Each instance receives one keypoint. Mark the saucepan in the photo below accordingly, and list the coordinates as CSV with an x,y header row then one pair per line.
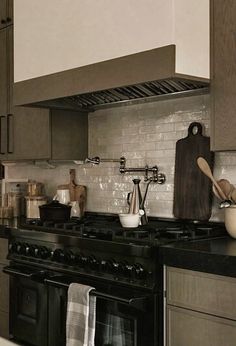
x,y
54,211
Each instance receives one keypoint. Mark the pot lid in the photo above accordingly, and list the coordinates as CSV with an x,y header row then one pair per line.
x,y
55,205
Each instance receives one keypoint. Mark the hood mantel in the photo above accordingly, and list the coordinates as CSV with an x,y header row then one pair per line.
x,y
143,76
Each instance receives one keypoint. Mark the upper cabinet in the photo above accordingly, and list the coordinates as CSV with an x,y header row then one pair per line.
x,y
223,74
6,13
54,36
33,133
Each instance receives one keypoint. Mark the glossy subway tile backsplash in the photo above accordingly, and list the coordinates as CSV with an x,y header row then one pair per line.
x,y
144,134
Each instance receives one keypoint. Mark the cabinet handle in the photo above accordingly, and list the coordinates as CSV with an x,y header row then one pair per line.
x,y
3,21
8,19
3,134
10,134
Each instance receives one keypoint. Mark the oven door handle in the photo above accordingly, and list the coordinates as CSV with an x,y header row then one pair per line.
x,y
36,276
139,303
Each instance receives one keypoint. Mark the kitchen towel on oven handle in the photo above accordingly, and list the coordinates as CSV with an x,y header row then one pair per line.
x,y
81,316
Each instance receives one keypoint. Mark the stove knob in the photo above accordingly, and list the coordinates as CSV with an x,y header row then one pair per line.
x,y
122,268
22,248
58,255
140,273
12,248
43,252
69,258
81,260
32,251
110,265
103,266
93,262
129,270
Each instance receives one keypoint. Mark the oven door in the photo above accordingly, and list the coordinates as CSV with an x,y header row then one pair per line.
x,y
124,317
28,305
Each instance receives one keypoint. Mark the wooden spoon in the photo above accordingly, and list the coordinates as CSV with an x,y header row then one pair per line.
x,y
233,195
225,186
205,168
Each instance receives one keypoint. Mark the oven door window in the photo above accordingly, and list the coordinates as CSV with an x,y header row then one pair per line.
x,y
118,325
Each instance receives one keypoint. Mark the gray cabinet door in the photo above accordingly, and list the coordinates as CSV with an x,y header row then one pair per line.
x,y
3,92
223,74
29,134
3,13
69,135
6,13
189,328
3,72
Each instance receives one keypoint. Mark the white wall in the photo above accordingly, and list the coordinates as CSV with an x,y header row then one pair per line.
x,y
144,134
56,35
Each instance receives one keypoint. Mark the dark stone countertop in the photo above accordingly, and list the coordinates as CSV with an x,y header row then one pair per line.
x,y
216,256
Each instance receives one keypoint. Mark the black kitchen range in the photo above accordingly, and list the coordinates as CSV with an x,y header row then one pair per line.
x,y
121,264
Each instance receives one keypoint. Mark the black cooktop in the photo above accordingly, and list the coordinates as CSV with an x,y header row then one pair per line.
x,y
107,227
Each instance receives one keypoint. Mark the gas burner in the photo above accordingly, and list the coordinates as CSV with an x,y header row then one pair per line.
x,y
107,227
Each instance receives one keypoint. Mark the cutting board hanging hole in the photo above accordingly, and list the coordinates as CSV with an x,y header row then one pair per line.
x,y
195,129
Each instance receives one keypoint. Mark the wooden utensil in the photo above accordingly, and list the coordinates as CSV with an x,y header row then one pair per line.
x,y
81,196
225,186
192,189
233,195
205,168
77,192
71,186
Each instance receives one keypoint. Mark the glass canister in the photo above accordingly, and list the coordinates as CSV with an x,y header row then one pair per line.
x,y
32,206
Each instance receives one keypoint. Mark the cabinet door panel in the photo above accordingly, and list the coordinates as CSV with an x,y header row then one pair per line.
x,y
213,294
223,74
189,328
69,135
3,72
4,324
9,12
3,13
31,134
4,291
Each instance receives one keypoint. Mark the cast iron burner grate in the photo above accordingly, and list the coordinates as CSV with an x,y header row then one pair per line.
x,y
108,228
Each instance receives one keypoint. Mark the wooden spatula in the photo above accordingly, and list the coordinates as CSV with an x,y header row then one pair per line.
x,y
205,168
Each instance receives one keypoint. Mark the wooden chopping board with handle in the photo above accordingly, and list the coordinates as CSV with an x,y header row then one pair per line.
x,y
192,189
77,192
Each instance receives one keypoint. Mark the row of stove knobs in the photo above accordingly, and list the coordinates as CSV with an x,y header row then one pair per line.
x,y
132,271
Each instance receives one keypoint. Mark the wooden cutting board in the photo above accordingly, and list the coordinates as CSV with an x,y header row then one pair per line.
x,y
77,192
192,189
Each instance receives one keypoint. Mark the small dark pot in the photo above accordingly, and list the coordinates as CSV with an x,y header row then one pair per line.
x,y
54,211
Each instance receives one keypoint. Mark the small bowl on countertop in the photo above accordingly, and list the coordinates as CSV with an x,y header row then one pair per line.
x,y
230,220
129,220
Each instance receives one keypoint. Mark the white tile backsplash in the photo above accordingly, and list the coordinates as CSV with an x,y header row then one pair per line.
x,y
144,134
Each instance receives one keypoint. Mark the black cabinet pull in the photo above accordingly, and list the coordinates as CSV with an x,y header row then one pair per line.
x,y
3,135
8,19
3,21
10,134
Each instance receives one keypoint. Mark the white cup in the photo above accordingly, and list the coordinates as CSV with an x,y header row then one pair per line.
x,y
75,209
129,220
63,196
230,220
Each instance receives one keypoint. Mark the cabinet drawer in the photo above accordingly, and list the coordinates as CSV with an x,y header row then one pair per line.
x,y
190,328
3,250
4,324
208,293
4,291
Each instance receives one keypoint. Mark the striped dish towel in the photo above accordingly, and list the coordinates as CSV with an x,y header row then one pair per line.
x,y
81,316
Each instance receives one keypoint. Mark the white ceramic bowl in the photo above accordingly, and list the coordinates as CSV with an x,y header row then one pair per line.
x,y
230,220
129,220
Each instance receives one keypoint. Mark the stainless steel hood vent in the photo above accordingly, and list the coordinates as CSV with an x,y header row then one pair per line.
x,y
141,77
149,91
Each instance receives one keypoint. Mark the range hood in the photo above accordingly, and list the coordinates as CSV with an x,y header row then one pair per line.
x,y
141,77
